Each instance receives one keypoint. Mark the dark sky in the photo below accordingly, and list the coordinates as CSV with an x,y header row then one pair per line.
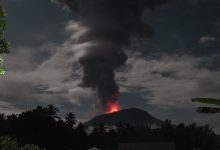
x,y
162,74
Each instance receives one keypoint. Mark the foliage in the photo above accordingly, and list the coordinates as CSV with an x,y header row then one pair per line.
x,y
70,120
7,143
4,45
1,69
212,101
42,126
207,100
31,147
210,110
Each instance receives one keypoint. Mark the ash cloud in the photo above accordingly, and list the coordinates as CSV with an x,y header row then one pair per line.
x,y
105,27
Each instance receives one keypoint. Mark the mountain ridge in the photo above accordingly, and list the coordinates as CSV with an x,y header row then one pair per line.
x,y
131,116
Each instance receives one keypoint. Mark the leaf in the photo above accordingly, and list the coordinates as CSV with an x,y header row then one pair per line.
x,y
4,45
207,100
212,110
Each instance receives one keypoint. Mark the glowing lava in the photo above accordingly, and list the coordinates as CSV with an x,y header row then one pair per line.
x,y
112,106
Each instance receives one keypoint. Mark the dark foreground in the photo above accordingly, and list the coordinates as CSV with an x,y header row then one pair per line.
x,y
44,128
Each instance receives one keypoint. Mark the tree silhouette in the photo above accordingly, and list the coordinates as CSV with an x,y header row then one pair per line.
x,y
70,120
7,143
42,127
52,111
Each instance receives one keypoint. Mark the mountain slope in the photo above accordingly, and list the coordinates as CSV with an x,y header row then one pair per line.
x,y
132,116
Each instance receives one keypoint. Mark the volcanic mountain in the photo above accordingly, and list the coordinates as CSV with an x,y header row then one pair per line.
x,y
131,116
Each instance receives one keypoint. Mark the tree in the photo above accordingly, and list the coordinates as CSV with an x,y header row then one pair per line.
x,y
4,45
52,111
31,147
1,69
7,143
70,120
212,101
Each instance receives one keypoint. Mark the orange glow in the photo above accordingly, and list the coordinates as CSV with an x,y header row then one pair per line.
x,y
112,107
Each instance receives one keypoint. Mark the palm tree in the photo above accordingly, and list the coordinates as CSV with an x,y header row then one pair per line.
x,y
70,120
207,101
2,116
52,111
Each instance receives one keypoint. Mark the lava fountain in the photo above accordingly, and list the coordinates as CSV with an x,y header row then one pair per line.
x,y
112,105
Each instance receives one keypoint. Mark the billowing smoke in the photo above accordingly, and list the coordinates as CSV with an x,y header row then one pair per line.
x,y
107,27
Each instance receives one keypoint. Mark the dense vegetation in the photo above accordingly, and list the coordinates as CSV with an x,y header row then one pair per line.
x,y
42,126
4,45
7,143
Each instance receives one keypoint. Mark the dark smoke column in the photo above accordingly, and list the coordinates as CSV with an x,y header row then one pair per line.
x,y
109,25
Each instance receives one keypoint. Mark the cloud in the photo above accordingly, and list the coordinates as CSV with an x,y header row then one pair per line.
x,y
207,40
168,82
45,74
8,109
172,80
50,74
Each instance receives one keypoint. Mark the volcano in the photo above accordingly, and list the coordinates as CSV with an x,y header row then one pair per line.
x,y
131,116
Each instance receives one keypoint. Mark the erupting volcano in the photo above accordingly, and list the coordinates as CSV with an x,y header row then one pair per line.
x,y
102,34
112,106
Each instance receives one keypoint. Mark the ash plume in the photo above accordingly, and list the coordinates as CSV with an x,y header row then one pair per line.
x,y
107,26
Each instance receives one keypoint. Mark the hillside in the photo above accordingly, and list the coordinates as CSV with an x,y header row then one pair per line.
x,y
132,116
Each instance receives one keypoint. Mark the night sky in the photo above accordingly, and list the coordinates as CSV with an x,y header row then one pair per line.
x,y
162,74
